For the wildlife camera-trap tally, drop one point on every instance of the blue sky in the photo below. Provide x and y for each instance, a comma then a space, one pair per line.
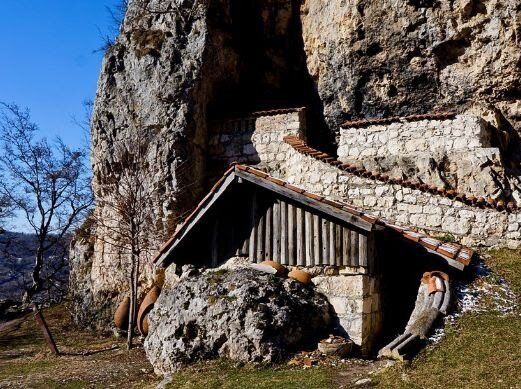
46, 59
48, 64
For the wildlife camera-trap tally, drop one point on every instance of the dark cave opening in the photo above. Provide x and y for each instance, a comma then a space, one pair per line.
264, 63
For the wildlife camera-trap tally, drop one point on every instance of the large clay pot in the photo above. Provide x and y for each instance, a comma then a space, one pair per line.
145, 324
281, 269
300, 276
145, 307
121, 314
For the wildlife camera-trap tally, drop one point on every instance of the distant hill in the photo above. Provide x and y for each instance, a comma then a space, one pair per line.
16, 263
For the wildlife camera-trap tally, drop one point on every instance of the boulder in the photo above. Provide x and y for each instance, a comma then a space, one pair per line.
242, 315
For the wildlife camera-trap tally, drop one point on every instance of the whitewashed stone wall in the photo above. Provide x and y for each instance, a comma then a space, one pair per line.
404, 206
456, 153
356, 301
255, 140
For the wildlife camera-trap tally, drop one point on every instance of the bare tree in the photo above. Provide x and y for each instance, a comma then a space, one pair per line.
5, 210
48, 183
126, 217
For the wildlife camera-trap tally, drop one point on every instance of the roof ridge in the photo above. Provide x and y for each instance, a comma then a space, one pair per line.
361, 123
471, 200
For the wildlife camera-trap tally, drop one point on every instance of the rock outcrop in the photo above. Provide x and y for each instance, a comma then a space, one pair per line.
242, 315
178, 65
382, 58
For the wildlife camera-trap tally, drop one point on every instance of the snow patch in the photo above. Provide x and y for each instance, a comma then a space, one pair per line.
487, 292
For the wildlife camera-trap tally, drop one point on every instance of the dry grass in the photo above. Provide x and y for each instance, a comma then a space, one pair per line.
88, 360
91, 360
223, 374
480, 351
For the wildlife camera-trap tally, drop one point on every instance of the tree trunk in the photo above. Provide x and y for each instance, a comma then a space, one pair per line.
132, 310
36, 285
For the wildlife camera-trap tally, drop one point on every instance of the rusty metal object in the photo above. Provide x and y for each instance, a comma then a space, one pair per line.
121, 314
145, 307
45, 329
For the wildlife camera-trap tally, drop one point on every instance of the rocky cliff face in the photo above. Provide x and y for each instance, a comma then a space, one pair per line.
177, 65
376, 58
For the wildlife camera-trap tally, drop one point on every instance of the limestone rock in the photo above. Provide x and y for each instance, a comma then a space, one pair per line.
382, 57
179, 64
242, 315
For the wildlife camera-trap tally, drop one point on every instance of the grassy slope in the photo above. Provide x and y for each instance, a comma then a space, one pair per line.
220, 374
480, 351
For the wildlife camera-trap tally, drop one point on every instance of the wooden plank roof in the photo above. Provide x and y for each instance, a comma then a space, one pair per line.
456, 255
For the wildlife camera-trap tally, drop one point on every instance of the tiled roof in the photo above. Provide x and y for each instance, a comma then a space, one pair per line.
412, 118
451, 251
273, 112
257, 114
479, 202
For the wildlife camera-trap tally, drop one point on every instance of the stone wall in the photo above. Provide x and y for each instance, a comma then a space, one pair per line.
454, 153
253, 140
404, 206
356, 301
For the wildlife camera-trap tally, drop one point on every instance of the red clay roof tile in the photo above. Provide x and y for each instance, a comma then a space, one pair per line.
375, 121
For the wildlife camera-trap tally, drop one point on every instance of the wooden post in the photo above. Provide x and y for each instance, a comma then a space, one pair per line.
325, 242
338, 245
309, 238
301, 255
332, 243
284, 233
268, 236
252, 250
276, 230
362, 250
260, 238
316, 240
46, 333
346, 246
354, 249
291, 236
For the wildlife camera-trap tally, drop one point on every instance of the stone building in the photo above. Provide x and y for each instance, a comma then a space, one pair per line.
251, 214
335, 218
456, 183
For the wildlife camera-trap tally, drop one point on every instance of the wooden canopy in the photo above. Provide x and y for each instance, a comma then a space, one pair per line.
346, 239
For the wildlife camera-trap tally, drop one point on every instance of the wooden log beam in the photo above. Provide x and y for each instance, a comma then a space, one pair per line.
292, 236
301, 255
309, 238
45, 330
276, 230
